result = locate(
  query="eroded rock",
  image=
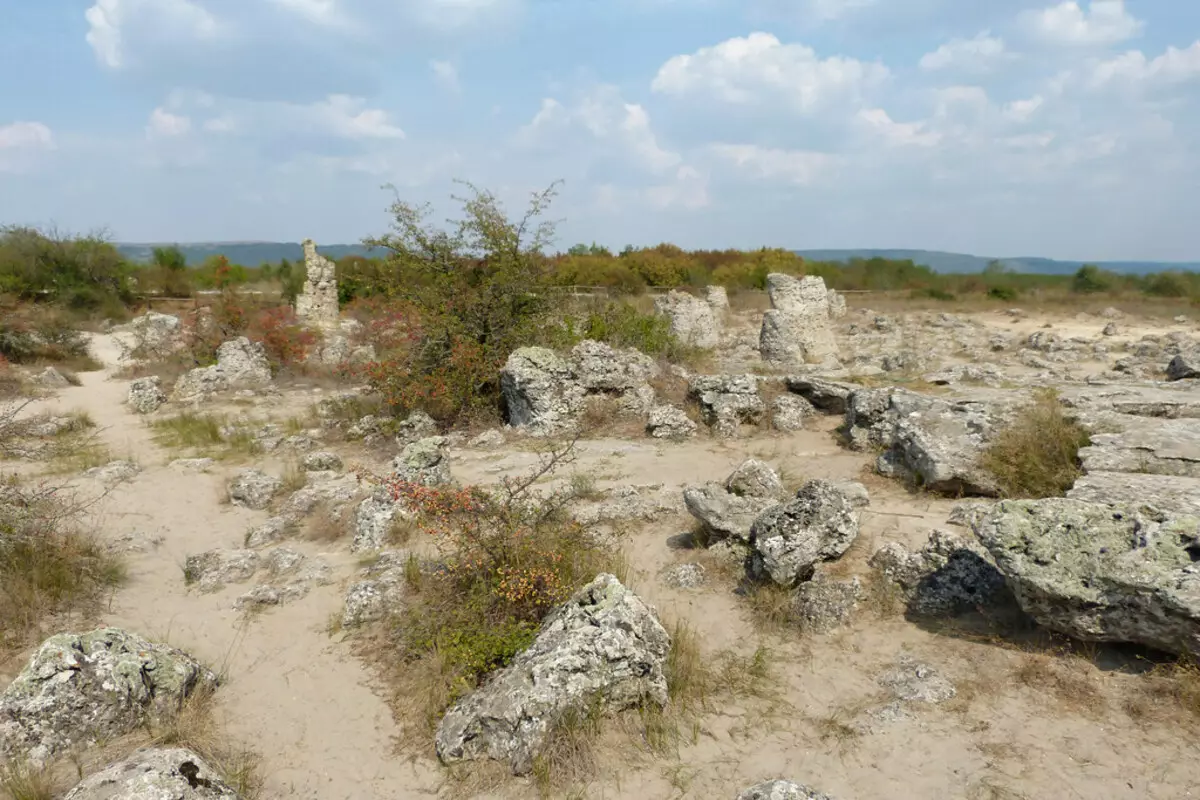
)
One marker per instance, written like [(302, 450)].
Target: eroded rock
[(254, 489), (692, 320), (155, 774), (781, 790), (146, 395), (949, 575), (603, 645), (789, 539)]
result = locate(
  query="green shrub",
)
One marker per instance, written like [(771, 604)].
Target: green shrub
[(1090, 279), (84, 273), (1167, 284), (1037, 454), (1006, 293), (35, 333)]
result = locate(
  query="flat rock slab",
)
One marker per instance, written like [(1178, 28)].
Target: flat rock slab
[(1151, 445), (1171, 493)]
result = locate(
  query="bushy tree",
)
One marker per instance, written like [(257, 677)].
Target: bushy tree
[(81, 272), (473, 292), (1090, 279)]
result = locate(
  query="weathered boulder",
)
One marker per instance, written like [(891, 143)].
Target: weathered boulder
[(684, 576), (381, 586), (789, 411), (781, 790), (950, 575), (828, 396), (322, 461), (669, 422), (604, 645), (789, 539), (374, 520), (545, 393), (416, 426), (155, 774), (155, 335), (718, 300), (728, 401), (317, 303), (114, 472), (146, 394), (825, 603), (797, 329), (754, 478), (1184, 366), (51, 378), (425, 461), (692, 320), (1101, 573), (254, 489), (935, 442), (211, 570), (241, 364), (80, 688)]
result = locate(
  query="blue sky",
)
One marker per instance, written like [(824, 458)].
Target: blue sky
[(998, 127)]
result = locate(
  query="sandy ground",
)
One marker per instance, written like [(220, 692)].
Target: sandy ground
[(302, 699)]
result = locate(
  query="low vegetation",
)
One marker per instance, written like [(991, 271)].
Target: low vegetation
[(49, 565), (211, 435), (1037, 454)]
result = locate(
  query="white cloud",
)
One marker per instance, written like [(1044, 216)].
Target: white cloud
[(347, 117), (759, 68), (604, 116), (21, 142), (977, 53), (1022, 110), (1105, 22), (220, 125), (801, 167), (324, 13), (107, 21), (446, 74), (1174, 65), (957, 100), (452, 14), (164, 125), (898, 133)]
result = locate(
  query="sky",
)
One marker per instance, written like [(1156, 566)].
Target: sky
[(994, 127)]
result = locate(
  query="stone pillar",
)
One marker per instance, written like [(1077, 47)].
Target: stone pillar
[(317, 304), (797, 329)]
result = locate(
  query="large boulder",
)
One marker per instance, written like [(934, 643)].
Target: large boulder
[(1184, 366), (81, 688), (933, 442), (789, 539), (1170, 493), (728, 401), (374, 520), (669, 422), (545, 392), (729, 509), (693, 322), (1099, 572), (797, 330), (155, 774), (155, 335), (604, 646), (241, 364), (1149, 445)]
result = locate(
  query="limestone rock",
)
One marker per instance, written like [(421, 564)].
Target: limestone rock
[(797, 329), (1184, 366), (155, 335), (603, 645), (488, 439), (781, 790), (684, 576), (241, 364), (718, 300), (669, 422), (424, 461), (723, 513), (914, 682), (1155, 446), (1101, 573), (728, 401), (317, 303), (113, 472), (692, 320), (949, 575), (254, 489), (754, 478), (155, 774), (788, 540), (416, 426), (828, 396), (51, 378), (322, 461), (1170, 493), (211, 570), (373, 522), (789, 411), (381, 587), (146, 394), (79, 688)]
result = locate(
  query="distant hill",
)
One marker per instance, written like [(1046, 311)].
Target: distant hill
[(248, 254), (251, 254), (961, 263)]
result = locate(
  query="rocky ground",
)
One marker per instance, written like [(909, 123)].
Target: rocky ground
[(962, 697)]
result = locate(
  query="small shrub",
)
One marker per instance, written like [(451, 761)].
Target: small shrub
[(508, 557), (1090, 279), (1006, 293), (1037, 454), (933, 293), (286, 341)]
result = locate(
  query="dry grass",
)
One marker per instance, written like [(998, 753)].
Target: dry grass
[(1070, 680), (1167, 693), (202, 435), (294, 478), (772, 607), (49, 567), (22, 782), (1037, 454)]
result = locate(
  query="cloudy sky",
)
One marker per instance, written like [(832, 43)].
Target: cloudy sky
[(997, 127)]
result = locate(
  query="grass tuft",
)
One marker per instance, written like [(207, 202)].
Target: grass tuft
[(1037, 454)]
